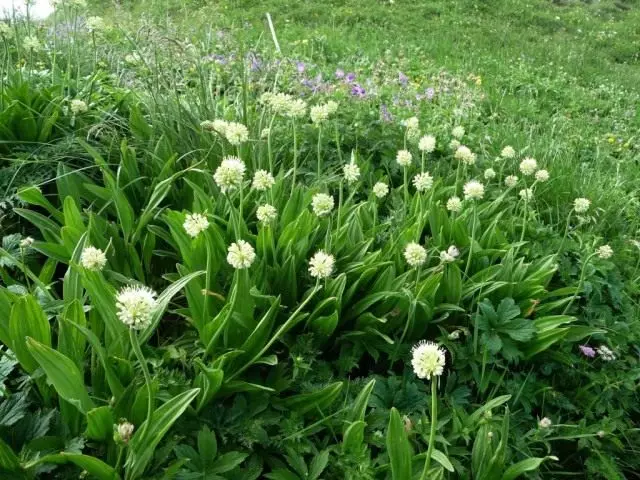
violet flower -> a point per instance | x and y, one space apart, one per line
358 91
587 351
403 79
339 74
300 67
350 77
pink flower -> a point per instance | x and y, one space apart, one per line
587 351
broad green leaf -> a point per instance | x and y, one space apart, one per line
320 399
28 320
527 465
9 461
398 448
100 423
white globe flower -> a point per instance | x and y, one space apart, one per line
31 43
415 254
473 190
511 181
230 174
423 181
427 144
381 189
428 360
263 180
404 157
266 213
322 204
321 265
605 251
95 24
236 133
454 144
351 172
545 423
297 108
6 31
241 255
454 204
465 154
78 106
528 166
319 114
412 123
93 258
458 132
332 107
135 306
526 194
265 133
26 242
124 431
542 176
280 103
508 152
605 353
449 255
489 173
220 126
195 223
581 205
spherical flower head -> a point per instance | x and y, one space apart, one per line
415 254
454 144
411 123
78 106
473 190
123 432
31 43
195 223
526 194
528 166
322 204
26 242
581 205
511 181
465 154
241 255
93 258
454 204
95 24
605 353
135 305
458 132
508 152
297 108
321 265
133 58
279 102
319 114
266 213
587 351
6 31
545 422
428 360
332 107
230 174
265 133
449 255
219 126
489 173
427 143
542 176
381 189
207 125
263 180
236 133
423 181
403 157
351 172
605 251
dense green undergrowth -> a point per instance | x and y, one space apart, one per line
221 260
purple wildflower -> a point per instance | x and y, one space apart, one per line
300 67
339 74
430 92
350 77
587 351
385 114
358 91
403 79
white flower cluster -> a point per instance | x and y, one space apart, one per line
528 166
6 31
93 258
526 194
266 213
415 254
78 106
458 132
322 204
404 157
381 189
95 24
423 181
351 172
230 174
581 205
511 181
135 306
321 265
427 144
240 255
195 223
262 180
428 360
508 152
489 173
454 204
464 154
321 113
473 190
605 251
449 255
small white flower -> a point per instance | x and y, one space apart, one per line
6 31
581 205
489 173
133 58
403 157
136 305
473 190
511 181
93 258
528 166
230 174
412 123
263 180
321 265
125 431
319 114
606 353
454 204
266 213
280 103
415 254
464 154
195 223
220 126
95 24
265 133
241 255
458 132
31 43
297 108
26 242
542 176
454 144
381 189
526 194
605 251
236 133
545 422
427 144
332 107
423 181
450 254
508 152
322 204
351 172
428 360
78 106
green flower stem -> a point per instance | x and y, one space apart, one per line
566 233
338 147
295 156
269 150
340 205
473 237
423 162
406 189
147 378
580 282
319 151
434 424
